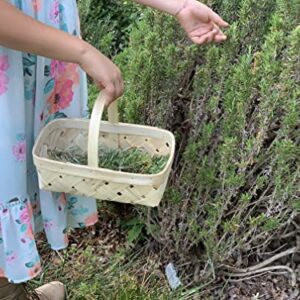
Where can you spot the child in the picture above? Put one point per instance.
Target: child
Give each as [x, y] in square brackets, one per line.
[40, 80]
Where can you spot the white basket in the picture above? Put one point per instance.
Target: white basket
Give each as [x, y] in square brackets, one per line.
[100, 183]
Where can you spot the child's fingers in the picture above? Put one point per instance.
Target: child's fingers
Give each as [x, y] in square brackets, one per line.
[218, 20]
[205, 30]
[220, 38]
[205, 38]
[215, 35]
[114, 85]
[110, 90]
[117, 90]
[202, 30]
[212, 35]
[199, 40]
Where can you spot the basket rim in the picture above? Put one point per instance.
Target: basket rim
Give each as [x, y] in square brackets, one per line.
[154, 177]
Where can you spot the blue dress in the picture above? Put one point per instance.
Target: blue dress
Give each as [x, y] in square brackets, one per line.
[34, 91]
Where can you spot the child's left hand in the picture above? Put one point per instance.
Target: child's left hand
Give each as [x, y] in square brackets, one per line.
[201, 23]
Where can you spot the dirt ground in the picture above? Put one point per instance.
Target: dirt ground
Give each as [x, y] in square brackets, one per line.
[267, 287]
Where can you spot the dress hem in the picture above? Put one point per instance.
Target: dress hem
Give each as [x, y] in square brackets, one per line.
[66, 246]
[24, 280]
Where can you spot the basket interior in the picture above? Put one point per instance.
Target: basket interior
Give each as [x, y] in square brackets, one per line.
[64, 137]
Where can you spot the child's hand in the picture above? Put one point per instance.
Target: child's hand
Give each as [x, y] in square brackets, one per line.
[104, 72]
[201, 23]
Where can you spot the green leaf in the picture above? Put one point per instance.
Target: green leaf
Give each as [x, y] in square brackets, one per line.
[49, 86]
[133, 221]
[27, 62]
[23, 227]
[29, 264]
[134, 233]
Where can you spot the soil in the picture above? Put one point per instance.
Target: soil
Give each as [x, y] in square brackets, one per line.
[267, 287]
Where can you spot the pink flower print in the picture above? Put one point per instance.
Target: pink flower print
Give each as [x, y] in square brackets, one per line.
[26, 216]
[3, 83]
[62, 96]
[36, 4]
[48, 225]
[4, 65]
[54, 12]
[34, 270]
[19, 151]
[57, 68]
[72, 73]
[29, 233]
[11, 257]
[91, 219]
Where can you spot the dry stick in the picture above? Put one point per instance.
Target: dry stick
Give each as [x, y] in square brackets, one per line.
[287, 235]
[247, 278]
[277, 273]
[251, 231]
[271, 236]
[267, 269]
[264, 263]
[296, 225]
[60, 256]
[276, 250]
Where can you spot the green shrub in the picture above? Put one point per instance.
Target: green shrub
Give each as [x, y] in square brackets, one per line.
[234, 109]
[107, 23]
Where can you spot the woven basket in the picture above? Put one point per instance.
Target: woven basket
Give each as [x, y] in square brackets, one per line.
[92, 181]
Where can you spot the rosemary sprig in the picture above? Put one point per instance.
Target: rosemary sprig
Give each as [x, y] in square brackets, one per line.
[131, 160]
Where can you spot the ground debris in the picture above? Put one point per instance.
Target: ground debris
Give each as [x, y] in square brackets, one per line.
[268, 287]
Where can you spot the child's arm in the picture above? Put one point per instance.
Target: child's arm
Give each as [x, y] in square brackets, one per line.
[200, 22]
[28, 35]
[171, 7]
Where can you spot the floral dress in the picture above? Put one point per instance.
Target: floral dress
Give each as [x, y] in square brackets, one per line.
[33, 91]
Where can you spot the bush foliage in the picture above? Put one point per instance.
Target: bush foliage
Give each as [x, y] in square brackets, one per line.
[107, 23]
[234, 109]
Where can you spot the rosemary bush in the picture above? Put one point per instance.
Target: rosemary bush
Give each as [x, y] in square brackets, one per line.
[234, 109]
[107, 23]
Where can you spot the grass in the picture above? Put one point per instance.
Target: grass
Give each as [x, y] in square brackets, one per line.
[99, 264]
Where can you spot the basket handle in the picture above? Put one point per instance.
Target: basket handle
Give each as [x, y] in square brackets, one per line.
[94, 127]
